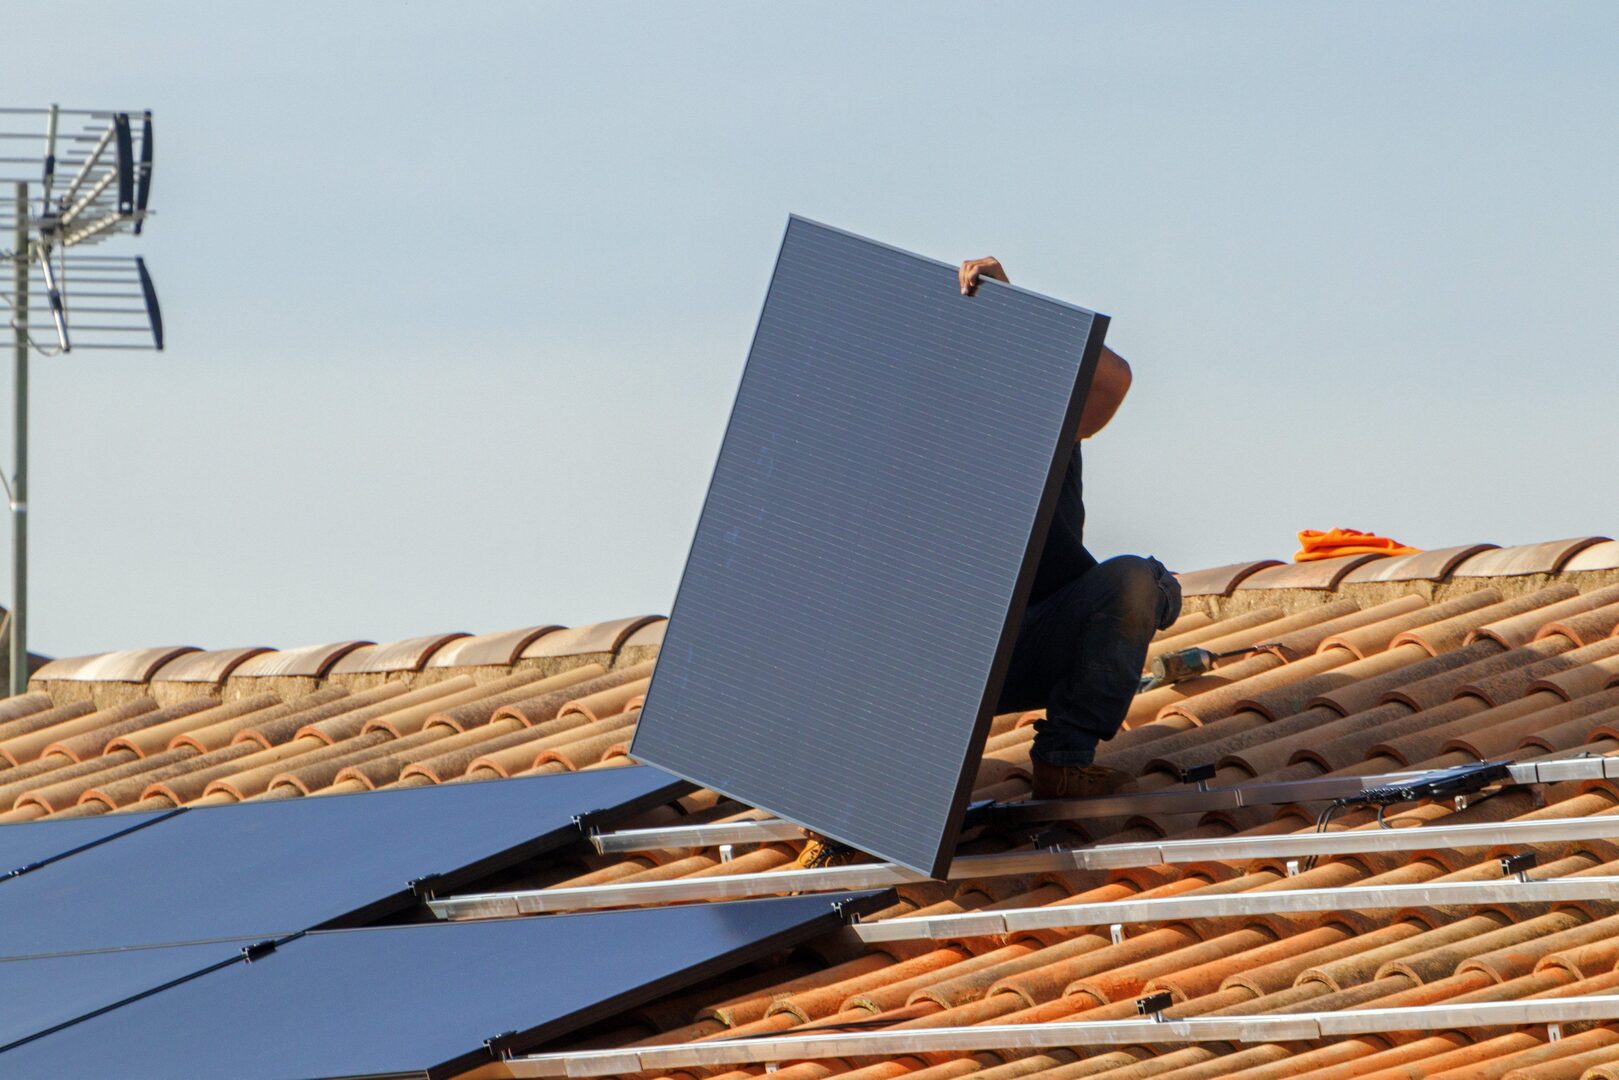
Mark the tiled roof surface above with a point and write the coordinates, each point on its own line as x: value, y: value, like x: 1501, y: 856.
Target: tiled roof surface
x: 1368, y: 675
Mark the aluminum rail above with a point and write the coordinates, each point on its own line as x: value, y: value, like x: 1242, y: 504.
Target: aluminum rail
x: 1100, y: 857
x: 1169, y: 801
x: 1507, y: 891
x: 684, y: 836
x: 1294, y: 1027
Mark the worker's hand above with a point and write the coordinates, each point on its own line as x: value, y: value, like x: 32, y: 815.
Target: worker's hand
x: 974, y: 269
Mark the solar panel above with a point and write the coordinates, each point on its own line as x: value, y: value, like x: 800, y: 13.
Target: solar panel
x: 29, y: 846
x: 278, y: 867
x: 42, y: 992
x: 420, y: 999
x: 860, y: 567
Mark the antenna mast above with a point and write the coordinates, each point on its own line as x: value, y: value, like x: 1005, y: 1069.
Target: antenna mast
x: 111, y: 170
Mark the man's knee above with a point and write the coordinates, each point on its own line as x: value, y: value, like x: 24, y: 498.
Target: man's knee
x: 1141, y: 590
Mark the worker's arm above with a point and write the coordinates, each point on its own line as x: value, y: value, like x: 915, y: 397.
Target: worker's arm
x: 1112, y: 380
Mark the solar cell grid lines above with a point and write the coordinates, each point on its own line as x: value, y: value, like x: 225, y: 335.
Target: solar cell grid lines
x: 885, y: 480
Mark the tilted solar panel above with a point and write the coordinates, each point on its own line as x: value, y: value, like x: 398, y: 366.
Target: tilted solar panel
x: 280, y: 867
x: 414, y: 1000
x: 29, y: 846
x: 860, y: 566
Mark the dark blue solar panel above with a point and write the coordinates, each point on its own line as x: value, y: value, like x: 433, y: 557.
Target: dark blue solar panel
x: 418, y: 999
x: 40, y: 993
x: 277, y: 867
x: 853, y: 590
x: 26, y: 847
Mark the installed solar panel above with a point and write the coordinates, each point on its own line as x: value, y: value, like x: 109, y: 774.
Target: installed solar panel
x: 851, y: 597
x: 420, y: 999
x: 40, y: 993
x: 27, y: 847
x: 278, y: 867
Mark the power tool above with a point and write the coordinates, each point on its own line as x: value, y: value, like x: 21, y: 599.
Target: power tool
x: 1183, y: 664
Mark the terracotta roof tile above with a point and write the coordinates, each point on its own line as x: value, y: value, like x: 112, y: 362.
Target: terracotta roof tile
x: 482, y: 650
x: 410, y: 654
x: 1603, y: 556
x: 308, y: 661
x: 213, y: 666
x: 1435, y: 564
x: 1351, y: 689
x: 1320, y: 574
x: 128, y: 665
x: 602, y: 637
x: 1220, y: 580
x: 1543, y: 558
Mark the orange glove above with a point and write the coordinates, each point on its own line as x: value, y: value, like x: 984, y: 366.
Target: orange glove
x: 1314, y: 544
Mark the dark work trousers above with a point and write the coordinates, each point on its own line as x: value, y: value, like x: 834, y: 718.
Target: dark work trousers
x: 1081, y: 651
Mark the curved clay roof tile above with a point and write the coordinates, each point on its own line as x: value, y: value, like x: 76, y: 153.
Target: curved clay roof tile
x: 501, y: 648
x: 602, y: 637
x: 410, y: 654
x: 127, y: 665
x: 308, y: 661
x: 1220, y: 580
x: 1320, y: 574
x: 1543, y: 558
x: 1433, y: 565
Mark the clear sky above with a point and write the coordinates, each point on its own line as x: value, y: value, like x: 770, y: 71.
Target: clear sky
x: 458, y: 294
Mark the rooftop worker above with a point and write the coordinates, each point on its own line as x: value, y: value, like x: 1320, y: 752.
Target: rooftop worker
x: 1083, y: 642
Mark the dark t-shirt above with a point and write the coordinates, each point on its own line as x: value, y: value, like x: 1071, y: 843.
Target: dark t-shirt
x: 1064, y: 557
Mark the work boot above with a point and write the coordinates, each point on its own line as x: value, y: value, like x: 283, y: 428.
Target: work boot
x: 820, y: 852
x: 1077, y: 781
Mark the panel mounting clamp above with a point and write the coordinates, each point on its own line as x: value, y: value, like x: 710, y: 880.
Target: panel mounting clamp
x: 1153, y: 1005
x: 424, y: 887
x: 1518, y: 865
x: 258, y: 950
x: 500, y: 1046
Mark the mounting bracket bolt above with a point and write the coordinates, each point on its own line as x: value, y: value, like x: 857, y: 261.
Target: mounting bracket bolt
x: 1199, y: 775
x: 1518, y: 865
x: 258, y: 949
x: 1153, y: 1005
x: 422, y: 887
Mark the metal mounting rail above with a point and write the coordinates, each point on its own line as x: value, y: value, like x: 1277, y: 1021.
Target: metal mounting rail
x: 1293, y: 1027
x: 688, y: 836
x: 1507, y: 891
x: 1358, y: 841
x: 1181, y: 800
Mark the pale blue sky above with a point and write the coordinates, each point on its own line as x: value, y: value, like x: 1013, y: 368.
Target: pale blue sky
x: 457, y: 294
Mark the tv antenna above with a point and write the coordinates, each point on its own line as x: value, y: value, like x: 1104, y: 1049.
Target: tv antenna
x: 80, y: 177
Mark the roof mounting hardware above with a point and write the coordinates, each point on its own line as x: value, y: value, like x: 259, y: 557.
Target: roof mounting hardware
x: 1153, y: 1005
x: 1096, y: 857
x: 1457, y: 782
x: 1263, y: 1027
x: 112, y: 304
x: 422, y: 887
x: 1384, y: 789
x: 500, y: 1046
x: 1199, y: 775
x: 258, y: 949
x: 1115, y: 915
x: 1518, y: 865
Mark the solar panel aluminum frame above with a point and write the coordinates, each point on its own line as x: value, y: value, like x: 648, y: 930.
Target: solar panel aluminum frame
x: 937, y: 863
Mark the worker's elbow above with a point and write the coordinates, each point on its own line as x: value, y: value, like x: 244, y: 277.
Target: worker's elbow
x: 1107, y: 391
